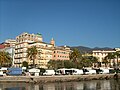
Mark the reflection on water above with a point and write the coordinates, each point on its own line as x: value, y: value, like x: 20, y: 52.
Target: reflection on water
x: 82, y: 85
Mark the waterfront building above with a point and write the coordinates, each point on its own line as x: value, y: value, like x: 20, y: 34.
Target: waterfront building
x: 117, y: 49
x: 101, y: 54
x: 11, y: 42
x: 45, y: 50
x: 61, y: 53
x: 26, y: 37
x: 25, y: 41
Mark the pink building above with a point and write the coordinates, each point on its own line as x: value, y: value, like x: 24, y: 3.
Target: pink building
x: 61, y: 53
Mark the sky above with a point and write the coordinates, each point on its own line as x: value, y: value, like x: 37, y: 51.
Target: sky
x: 91, y: 23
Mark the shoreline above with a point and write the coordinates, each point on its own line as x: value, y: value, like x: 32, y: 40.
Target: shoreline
x: 55, y: 78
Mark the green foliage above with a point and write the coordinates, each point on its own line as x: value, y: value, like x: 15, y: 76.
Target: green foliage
x: 76, y: 61
x: 69, y: 64
x: 32, y: 53
x: 42, y: 70
x: 25, y: 64
x: 110, y: 56
x: 83, y: 62
x: 5, y: 59
x: 52, y: 64
x: 75, y: 55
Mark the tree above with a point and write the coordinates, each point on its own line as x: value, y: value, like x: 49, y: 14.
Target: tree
x: 32, y: 54
x: 109, y: 57
x: 105, y: 61
x: 56, y: 64
x: 25, y: 64
x: 75, y: 55
x: 85, y: 62
x: 5, y: 59
x: 69, y: 64
x: 52, y: 64
x: 93, y: 60
x: 117, y: 56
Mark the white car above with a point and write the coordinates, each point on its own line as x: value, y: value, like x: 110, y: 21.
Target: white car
x: 104, y: 71
x: 1, y: 73
x: 78, y: 72
x: 90, y: 71
x: 49, y: 72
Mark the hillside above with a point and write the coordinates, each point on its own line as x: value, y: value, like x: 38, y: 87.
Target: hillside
x: 84, y: 49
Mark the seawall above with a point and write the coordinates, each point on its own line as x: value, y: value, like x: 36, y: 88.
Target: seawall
x: 61, y: 78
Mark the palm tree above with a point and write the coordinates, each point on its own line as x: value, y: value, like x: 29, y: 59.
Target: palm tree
x: 32, y: 54
x: 106, y: 61
x: 51, y: 64
x: 94, y: 60
x: 109, y: 57
x: 117, y: 56
x: 75, y: 55
x: 5, y: 58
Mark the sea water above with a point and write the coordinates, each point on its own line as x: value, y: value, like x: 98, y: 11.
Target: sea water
x: 81, y: 85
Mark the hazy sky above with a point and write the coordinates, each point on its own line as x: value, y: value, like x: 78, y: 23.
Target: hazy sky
x: 70, y: 22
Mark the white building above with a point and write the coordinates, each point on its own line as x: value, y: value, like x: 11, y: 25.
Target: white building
x: 101, y: 54
x: 11, y: 51
x: 11, y: 42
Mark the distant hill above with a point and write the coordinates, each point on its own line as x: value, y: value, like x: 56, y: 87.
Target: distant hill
x: 84, y: 49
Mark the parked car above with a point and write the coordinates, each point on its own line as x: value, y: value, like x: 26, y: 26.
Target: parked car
x: 49, y: 72
x: 1, y: 73
x: 34, y: 71
x: 89, y: 71
x: 104, y: 71
x: 77, y: 71
x: 63, y: 71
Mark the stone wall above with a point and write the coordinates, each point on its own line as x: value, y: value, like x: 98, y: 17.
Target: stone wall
x: 61, y: 78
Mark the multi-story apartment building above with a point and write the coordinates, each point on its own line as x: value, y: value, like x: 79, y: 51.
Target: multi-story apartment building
x: 46, y: 50
x: 25, y: 41
x: 101, y: 54
x: 117, y: 49
x: 61, y: 53
x: 25, y: 37
x: 20, y: 53
x: 11, y: 42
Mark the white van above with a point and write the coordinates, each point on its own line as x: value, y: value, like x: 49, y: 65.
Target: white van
x: 34, y: 71
x: 78, y: 72
x: 104, y: 71
x: 49, y: 72
x: 89, y: 71
x: 1, y: 73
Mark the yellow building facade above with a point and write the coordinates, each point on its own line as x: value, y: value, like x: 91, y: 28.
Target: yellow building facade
x: 46, y: 51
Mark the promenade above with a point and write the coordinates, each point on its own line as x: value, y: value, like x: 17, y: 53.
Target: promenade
x: 61, y: 78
